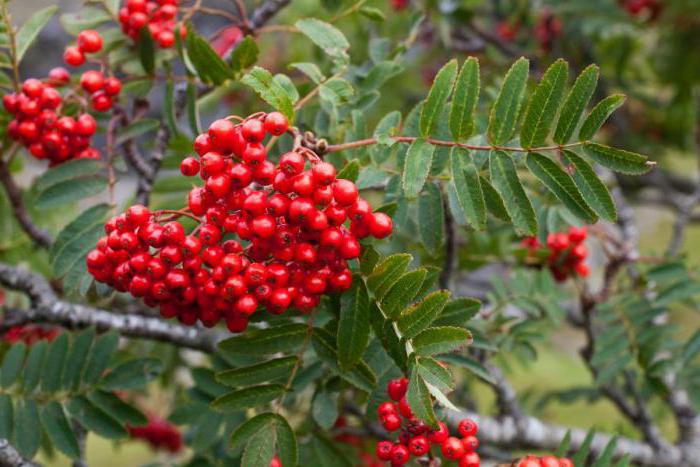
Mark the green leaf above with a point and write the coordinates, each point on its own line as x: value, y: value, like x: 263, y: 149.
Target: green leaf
x: 132, y: 374
x: 146, y: 48
x: 193, y: 108
x: 350, y: 171
x: 619, y: 160
x: 678, y: 292
x: 327, y: 452
x: 418, y: 398
x: 564, y: 445
x: 437, y: 98
x: 283, y: 338
x: 470, y: 364
x: 85, y: 18
x: 210, y: 67
x: 94, y: 419
x: 249, y: 428
x: 438, y: 340
x: 34, y: 366
x: 116, y: 408
x: 505, y: 111
x: 505, y: 179
x: 326, y: 36
x: 543, y: 106
x: 691, y: 349
x: 435, y: 374
x: 244, y: 55
x: 311, y: 70
x: 67, y: 171
x: 337, y: 91
x: 374, y: 14
x: 464, y: 101
x: 575, y: 103
x: 7, y: 421
x: 561, y: 184
x: 592, y: 188
x: 468, y: 187
x: 386, y: 273
x: 458, y: 312
x: 78, y: 238
x: 418, y: 317
x: 100, y: 356
x: 30, y: 30
x: 494, y: 202
x: 419, y: 158
x: 269, y: 90
x: 56, y: 426
x: 431, y: 219
x: 77, y: 358
x: 70, y: 191
x: 27, y: 428
x: 599, y: 115
x: 12, y: 365
x: 287, y: 449
x: 579, y: 458
x: 270, y: 370
x: 55, y: 361
x: 353, y: 325
x: 402, y: 292
x: 249, y: 397
x: 605, y: 458
x: 136, y: 129
x: 387, y: 127
x: 324, y: 409
x: 169, y: 110
x: 360, y: 376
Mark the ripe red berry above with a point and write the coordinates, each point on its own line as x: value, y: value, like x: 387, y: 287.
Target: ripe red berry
x: 439, y: 435
x: 276, y: 123
x: 470, y: 459
x: 138, y: 215
x: 471, y: 443
x: 112, y: 86
x: 419, y: 445
x: 253, y: 130
x: 383, y: 450
x: 549, y: 461
x: 345, y: 192
x: 399, y: 454
x: 59, y: 75
x: 380, y: 225
x: 189, y: 167
x: 275, y: 462
x: 467, y: 427
x: 565, y: 462
x: 452, y: 448
x: 391, y: 422
x: 73, y: 56
x: 89, y: 41
x: 292, y: 163
x: 222, y: 134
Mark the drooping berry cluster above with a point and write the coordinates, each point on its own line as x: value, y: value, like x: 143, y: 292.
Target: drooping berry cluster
x: 160, y: 17
x: 30, y: 334
x: 544, y: 461
x: 160, y: 434
x: 566, y: 252
x: 547, y: 29
x: 41, y: 122
x: 291, y: 219
x: 417, y: 439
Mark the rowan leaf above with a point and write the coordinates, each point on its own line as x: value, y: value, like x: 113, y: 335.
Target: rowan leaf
x: 575, y: 103
x: 466, y: 96
x: 592, y: 188
x: 419, y: 159
x: 437, y: 98
x: 505, y: 111
x: 505, y: 180
x: 544, y: 103
x: 599, y: 115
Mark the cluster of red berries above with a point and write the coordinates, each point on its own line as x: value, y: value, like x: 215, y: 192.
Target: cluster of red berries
x: 547, y: 29
x: 292, y: 220
x: 399, y: 5
x: 567, y: 252
x: 159, y: 434
x: 507, y: 30
x: 544, y: 461
x: 160, y: 17
x: 646, y: 9
x: 30, y: 334
x: 40, y: 123
x: 416, y: 438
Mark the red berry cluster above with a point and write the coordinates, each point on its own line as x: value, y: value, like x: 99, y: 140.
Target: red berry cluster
x: 30, y: 334
x: 159, y: 434
x: 292, y: 219
x: 547, y: 29
x: 416, y: 438
x: 567, y: 252
x: 544, y: 461
x: 159, y: 16
x: 646, y: 9
x: 89, y: 42
x: 399, y: 5
x: 507, y: 30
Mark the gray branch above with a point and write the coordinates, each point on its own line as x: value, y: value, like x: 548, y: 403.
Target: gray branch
x: 266, y: 11
x: 10, y: 457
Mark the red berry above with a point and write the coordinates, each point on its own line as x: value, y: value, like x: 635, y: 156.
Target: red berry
x: 391, y: 422
x: 452, y: 448
x: 73, y: 56
x: 89, y: 41
x: 470, y: 459
x: 189, y: 167
x: 399, y: 454
x: 467, y: 427
x: 138, y: 215
x: 439, y: 435
x: 383, y: 450
x: 276, y: 123
x: 549, y: 461
x: 292, y: 163
x: 59, y: 75
x: 565, y: 462
x: 253, y: 131
x: 345, y: 192
x: 380, y: 225
x: 222, y: 135
x: 386, y: 408
x: 471, y: 443
x: 112, y: 86
x: 275, y: 462
x: 419, y: 446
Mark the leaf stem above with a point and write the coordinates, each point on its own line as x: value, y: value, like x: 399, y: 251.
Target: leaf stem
x: 11, y: 34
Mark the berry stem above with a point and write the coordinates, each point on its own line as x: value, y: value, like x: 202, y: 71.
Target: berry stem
x: 177, y: 213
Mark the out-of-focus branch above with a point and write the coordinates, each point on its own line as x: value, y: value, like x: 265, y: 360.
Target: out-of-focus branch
x: 40, y: 236
x: 265, y: 12
x: 10, y: 457
x: 147, y: 179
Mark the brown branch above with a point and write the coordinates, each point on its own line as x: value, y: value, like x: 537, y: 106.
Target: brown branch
x: 266, y: 12
x: 40, y: 236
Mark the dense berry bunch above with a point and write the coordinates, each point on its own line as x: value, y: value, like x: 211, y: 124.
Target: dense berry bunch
x: 30, y: 334
x: 40, y: 121
x: 159, y: 434
x: 567, y: 252
x: 270, y: 235
x: 544, y: 461
x: 417, y: 439
x: 547, y: 29
x: 160, y: 17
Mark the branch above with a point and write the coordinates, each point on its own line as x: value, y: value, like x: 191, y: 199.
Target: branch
x: 147, y: 179
x: 47, y: 308
x: 10, y: 457
x: 266, y: 11
x: 40, y: 236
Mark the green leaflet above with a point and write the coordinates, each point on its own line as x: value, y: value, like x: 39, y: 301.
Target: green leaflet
x: 270, y: 370
x: 599, y: 115
x: 353, y: 325
x: 575, y: 103
x: 418, y: 317
x: 468, y: 187
x: 505, y: 179
x: 442, y: 339
x: 326, y: 36
x: 466, y: 96
x: 561, y: 184
x: 619, y: 160
x: 269, y: 90
x: 505, y: 111
x: 249, y: 397
x: 592, y: 188
x: 419, y: 158
x: 431, y: 218
x: 437, y: 98
x: 543, y: 106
